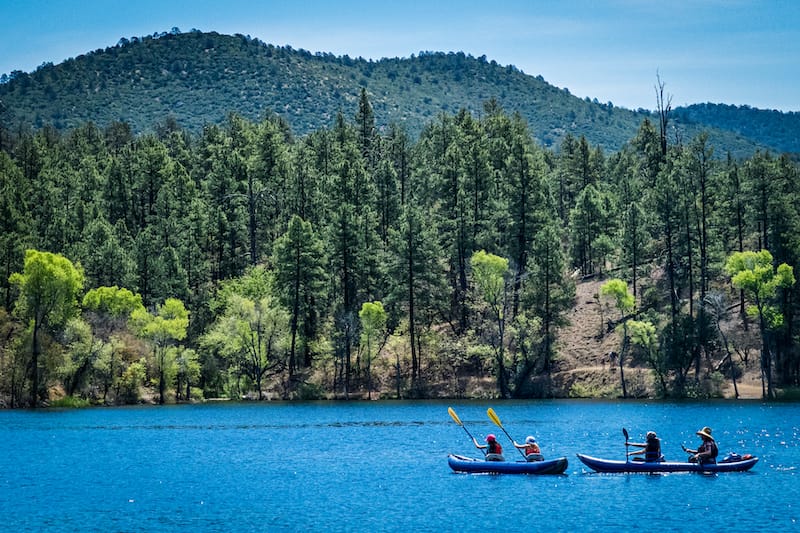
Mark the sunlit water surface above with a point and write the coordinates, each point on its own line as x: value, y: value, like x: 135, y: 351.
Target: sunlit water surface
x: 381, y: 466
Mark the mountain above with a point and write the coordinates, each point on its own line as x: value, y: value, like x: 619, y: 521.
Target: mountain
x: 198, y: 78
x: 778, y: 130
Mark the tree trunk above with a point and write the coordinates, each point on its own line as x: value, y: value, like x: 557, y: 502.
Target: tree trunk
x: 35, y: 363
x: 622, y: 353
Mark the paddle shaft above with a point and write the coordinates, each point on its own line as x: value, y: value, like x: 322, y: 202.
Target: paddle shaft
x: 457, y: 420
x: 494, y: 418
x: 625, y: 432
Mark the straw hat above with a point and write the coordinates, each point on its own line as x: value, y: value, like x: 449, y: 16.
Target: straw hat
x: 705, y: 432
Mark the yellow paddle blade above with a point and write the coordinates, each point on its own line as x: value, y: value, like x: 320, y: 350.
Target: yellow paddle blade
x: 454, y: 416
x: 494, y: 417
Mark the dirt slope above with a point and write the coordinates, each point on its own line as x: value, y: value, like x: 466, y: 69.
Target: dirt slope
x: 584, y: 364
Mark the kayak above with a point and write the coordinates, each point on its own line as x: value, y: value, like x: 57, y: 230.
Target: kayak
x: 609, y: 466
x: 459, y: 463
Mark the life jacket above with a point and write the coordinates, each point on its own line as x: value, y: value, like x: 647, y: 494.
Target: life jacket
x: 532, y: 448
x: 494, y: 447
x: 709, y: 446
x: 652, y: 453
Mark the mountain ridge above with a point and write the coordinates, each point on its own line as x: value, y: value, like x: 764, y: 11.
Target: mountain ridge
x: 199, y: 78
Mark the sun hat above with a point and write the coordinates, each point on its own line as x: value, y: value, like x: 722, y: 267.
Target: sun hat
x: 705, y: 432
x: 530, y: 439
x: 490, y: 437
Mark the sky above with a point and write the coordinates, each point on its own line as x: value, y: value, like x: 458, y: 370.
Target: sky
x: 740, y: 52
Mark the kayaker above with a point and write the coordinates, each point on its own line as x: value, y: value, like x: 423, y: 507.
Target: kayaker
x: 494, y: 452
x: 530, y: 449
x: 650, y: 449
x: 708, y: 450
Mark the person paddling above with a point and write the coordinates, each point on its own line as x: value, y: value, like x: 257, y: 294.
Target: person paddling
x: 494, y: 451
x: 530, y: 449
x: 650, y: 449
x: 708, y: 450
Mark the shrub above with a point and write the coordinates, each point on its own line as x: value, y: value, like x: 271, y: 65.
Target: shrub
x: 70, y: 402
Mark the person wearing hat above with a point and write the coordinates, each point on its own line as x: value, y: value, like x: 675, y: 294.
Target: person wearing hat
x: 494, y: 452
x: 530, y: 449
x: 650, y: 449
x: 707, y: 451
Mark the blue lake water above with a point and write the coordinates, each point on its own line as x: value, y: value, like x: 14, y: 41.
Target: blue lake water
x: 381, y: 466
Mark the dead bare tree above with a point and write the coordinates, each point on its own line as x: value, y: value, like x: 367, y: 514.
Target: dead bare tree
x: 664, y: 106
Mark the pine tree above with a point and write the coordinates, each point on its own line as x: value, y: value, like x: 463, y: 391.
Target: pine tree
x: 299, y: 280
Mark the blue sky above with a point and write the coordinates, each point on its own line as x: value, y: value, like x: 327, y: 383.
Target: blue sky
x: 721, y: 51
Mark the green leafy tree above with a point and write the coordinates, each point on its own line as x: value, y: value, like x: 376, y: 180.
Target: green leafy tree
x: 625, y: 303
x: 82, y: 349
x: 643, y: 334
x: 163, y: 330
x: 187, y: 371
x: 373, y: 334
x: 108, y: 309
x: 754, y: 273
x: 251, y: 334
x: 113, y: 301
x: 48, y: 286
x: 490, y: 274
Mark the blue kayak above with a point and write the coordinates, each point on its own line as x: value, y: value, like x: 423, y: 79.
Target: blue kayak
x: 459, y: 463
x: 611, y: 466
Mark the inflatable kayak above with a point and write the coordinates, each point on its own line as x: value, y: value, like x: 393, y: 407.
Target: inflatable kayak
x: 607, y: 465
x: 459, y: 463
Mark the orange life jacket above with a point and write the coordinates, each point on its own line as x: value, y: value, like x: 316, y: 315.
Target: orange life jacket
x: 532, y: 448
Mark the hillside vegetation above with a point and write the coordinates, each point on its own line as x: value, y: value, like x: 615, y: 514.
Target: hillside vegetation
x: 778, y: 130
x: 243, y: 259
x: 198, y: 78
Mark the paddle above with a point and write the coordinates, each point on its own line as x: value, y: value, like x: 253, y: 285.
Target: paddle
x: 457, y: 420
x: 690, y: 452
x: 493, y: 416
x: 625, y: 432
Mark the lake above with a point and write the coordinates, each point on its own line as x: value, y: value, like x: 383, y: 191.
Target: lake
x: 382, y: 466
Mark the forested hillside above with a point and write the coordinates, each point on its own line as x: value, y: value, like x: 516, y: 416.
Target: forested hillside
x: 198, y: 78
x: 191, y: 216
x: 355, y: 261
x: 778, y: 130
